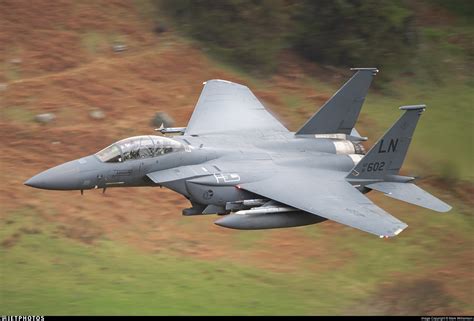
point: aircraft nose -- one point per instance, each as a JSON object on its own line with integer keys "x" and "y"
{"x": 62, "y": 177}
{"x": 34, "y": 181}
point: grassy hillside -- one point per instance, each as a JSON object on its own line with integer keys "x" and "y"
{"x": 340, "y": 271}
{"x": 130, "y": 251}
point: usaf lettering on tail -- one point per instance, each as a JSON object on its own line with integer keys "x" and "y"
{"x": 391, "y": 146}
{"x": 235, "y": 159}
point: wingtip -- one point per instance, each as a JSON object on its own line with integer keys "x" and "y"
{"x": 373, "y": 69}
{"x": 413, "y": 107}
{"x": 395, "y": 233}
{"x": 398, "y": 231}
{"x": 445, "y": 208}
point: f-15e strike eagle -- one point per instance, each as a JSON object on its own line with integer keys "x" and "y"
{"x": 236, "y": 160}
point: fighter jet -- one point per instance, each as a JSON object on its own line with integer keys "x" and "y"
{"x": 236, "y": 160}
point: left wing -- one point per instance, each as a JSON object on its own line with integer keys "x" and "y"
{"x": 225, "y": 107}
{"x": 328, "y": 195}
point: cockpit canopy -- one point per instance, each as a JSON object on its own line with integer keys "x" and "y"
{"x": 138, "y": 147}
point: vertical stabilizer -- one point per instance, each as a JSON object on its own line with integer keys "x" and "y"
{"x": 339, "y": 114}
{"x": 387, "y": 155}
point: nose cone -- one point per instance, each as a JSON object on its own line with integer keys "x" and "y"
{"x": 35, "y": 181}
{"x": 63, "y": 177}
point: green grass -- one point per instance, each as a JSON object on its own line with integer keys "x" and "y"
{"x": 11, "y": 72}
{"x": 68, "y": 114}
{"x": 17, "y": 114}
{"x": 443, "y": 140}
{"x": 439, "y": 76}
{"x": 95, "y": 42}
{"x": 248, "y": 79}
{"x": 431, "y": 242}
{"x": 44, "y": 272}
{"x": 249, "y": 239}
{"x": 293, "y": 102}
{"x": 147, "y": 10}
{"x": 57, "y": 276}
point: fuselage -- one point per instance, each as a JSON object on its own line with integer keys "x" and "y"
{"x": 208, "y": 171}
{"x": 244, "y": 155}
{"x": 235, "y": 159}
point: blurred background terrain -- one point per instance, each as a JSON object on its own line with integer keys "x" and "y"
{"x": 100, "y": 70}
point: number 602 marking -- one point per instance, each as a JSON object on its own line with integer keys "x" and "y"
{"x": 375, "y": 166}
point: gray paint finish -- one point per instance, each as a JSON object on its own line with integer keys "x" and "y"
{"x": 339, "y": 114}
{"x": 235, "y": 159}
{"x": 412, "y": 194}
{"x": 225, "y": 106}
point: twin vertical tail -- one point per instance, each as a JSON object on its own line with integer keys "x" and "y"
{"x": 387, "y": 155}
{"x": 379, "y": 168}
{"x": 340, "y": 113}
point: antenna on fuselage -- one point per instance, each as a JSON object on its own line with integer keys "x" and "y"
{"x": 170, "y": 130}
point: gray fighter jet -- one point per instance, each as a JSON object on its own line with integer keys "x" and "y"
{"x": 236, "y": 160}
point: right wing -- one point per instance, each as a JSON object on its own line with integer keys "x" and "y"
{"x": 329, "y": 196}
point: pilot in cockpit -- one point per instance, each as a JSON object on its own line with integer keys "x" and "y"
{"x": 138, "y": 147}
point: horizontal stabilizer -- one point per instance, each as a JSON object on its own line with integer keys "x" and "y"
{"x": 412, "y": 194}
